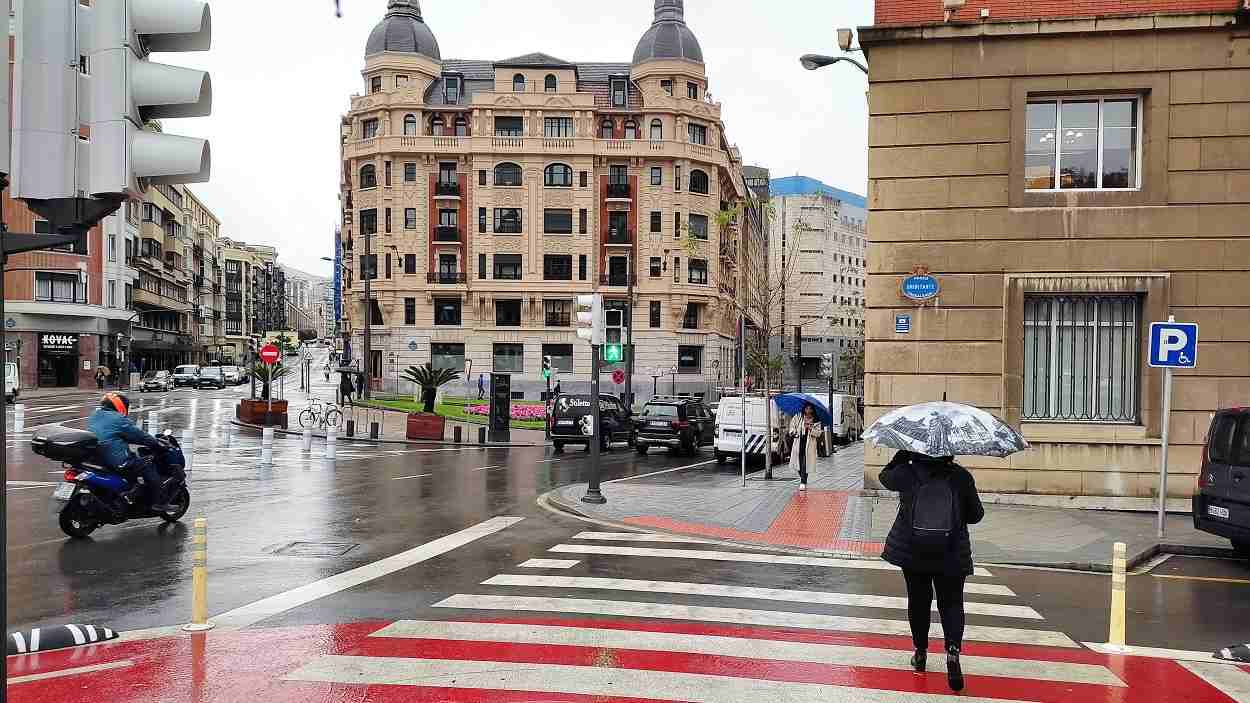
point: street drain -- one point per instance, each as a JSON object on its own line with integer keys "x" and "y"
{"x": 323, "y": 550}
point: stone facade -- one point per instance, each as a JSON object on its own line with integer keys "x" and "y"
{"x": 960, "y": 183}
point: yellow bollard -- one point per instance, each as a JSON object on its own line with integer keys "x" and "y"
{"x": 199, "y": 579}
{"x": 1118, "y": 560}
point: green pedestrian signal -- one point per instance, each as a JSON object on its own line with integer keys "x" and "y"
{"x": 613, "y": 353}
{"x": 546, "y": 367}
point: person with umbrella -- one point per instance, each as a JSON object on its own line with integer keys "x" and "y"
{"x": 806, "y": 429}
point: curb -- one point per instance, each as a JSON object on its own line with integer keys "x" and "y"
{"x": 365, "y": 440}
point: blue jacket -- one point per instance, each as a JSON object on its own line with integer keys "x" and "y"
{"x": 116, "y": 433}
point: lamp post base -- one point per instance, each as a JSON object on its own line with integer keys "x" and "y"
{"x": 595, "y": 496}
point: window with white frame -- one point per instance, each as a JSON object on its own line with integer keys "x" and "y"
{"x": 1081, "y": 358}
{"x": 1083, "y": 143}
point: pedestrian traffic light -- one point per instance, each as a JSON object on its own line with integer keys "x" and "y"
{"x": 614, "y": 333}
{"x": 826, "y": 365}
{"x": 546, "y": 367}
{"x": 613, "y": 353}
{"x": 590, "y": 318}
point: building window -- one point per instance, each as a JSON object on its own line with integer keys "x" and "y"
{"x": 509, "y": 126}
{"x": 581, "y": 179}
{"x": 631, "y": 129}
{"x": 561, "y": 357}
{"x": 509, "y": 358}
{"x": 689, "y": 359}
{"x": 462, "y": 126}
{"x": 690, "y": 320}
{"x": 657, "y": 176}
{"x": 507, "y": 313}
{"x": 410, "y": 126}
{"x": 656, "y": 222}
{"x": 368, "y": 176}
{"x": 447, "y": 356}
{"x": 481, "y": 267}
{"x": 388, "y": 220}
{"x": 507, "y": 267}
{"x": 558, "y": 176}
{"x": 375, "y": 84}
{"x": 451, "y": 89}
{"x": 507, "y": 174}
{"x": 449, "y": 217}
{"x": 677, "y": 178}
{"x": 656, "y": 264}
{"x": 481, "y": 220}
{"x": 59, "y": 287}
{"x": 581, "y": 221}
{"x": 666, "y": 85}
{"x": 607, "y": 129}
{"x": 447, "y": 174}
{"x": 410, "y": 311}
{"x": 1091, "y": 143}
{"x": 657, "y": 130}
{"x": 447, "y": 312}
{"x": 620, "y": 92}
{"x": 550, "y": 84}
{"x": 112, "y": 247}
{"x": 698, "y": 271}
{"x": 698, "y": 181}
{"x": 698, "y": 226}
{"x": 410, "y": 218}
{"x": 507, "y": 220}
{"x": 518, "y": 83}
{"x": 410, "y": 263}
{"x": 481, "y": 176}
{"x": 1081, "y": 357}
{"x": 698, "y": 134}
{"x": 558, "y": 267}
{"x": 655, "y": 314}
{"x": 558, "y": 313}
{"x": 410, "y": 172}
{"x": 437, "y": 126}
{"x": 386, "y": 169}
{"x": 692, "y": 91}
{"x": 557, "y": 127}
{"x": 557, "y": 221}
{"x": 370, "y": 129}
{"x": 581, "y": 267}
{"x": 368, "y": 222}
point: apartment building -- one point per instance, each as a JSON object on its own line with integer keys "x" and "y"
{"x": 203, "y": 231}
{"x": 1069, "y": 177}
{"x": 817, "y": 250}
{"x": 305, "y": 295}
{"x": 255, "y": 300}
{"x": 480, "y": 196}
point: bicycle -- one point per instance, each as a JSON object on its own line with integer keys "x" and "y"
{"x": 320, "y": 415}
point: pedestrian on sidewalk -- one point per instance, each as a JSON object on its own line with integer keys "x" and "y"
{"x": 346, "y": 388}
{"x": 99, "y": 377}
{"x": 929, "y": 542}
{"x": 805, "y": 428}
{"x": 481, "y": 386}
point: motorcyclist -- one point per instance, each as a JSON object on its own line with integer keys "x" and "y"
{"x": 116, "y": 432}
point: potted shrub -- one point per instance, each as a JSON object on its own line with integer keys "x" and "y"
{"x": 427, "y": 425}
{"x": 257, "y": 411}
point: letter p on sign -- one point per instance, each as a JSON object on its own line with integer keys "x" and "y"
{"x": 1174, "y": 345}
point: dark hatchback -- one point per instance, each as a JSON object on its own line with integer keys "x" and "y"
{"x": 1222, "y": 504}
{"x": 211, "y": 377}
{"x": 570, "y": 421}
{"x": 681, "y": 424}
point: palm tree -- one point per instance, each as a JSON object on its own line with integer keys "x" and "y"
{"x": 430, "y": 379}
{"x": 267, "y": 374}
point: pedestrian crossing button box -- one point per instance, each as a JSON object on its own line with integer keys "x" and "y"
{"x": 65, "y": 445}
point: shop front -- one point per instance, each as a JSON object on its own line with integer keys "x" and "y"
{"x": 58, "y": 360}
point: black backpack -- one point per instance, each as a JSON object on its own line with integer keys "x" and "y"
{"x": 934, "y": 512}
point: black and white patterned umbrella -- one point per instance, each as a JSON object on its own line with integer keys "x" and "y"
{"x": 945, "y": 429}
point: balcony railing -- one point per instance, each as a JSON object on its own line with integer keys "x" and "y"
{"x": 619, "y": 190}
{"x": 446, "y": 234}
{"x": 620, "y": 236}
{"x": 447, "y": 189}
{"x": 617, "y": 279}
{"x": 445, "y": 278}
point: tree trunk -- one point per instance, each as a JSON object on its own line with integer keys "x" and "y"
{"x": 427, "y": 399}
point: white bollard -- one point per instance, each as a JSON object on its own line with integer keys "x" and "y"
{"x": 153, "y": 423}
{"x": 19, "y": 418}
{"x": 266, "y": 447}
{"x": 191, "y": 412}
{"x": 332, "y": 437}
{"x": 163, "y": 401}
{"x": 188, "y": 447}
{"x": 307, "y": 440}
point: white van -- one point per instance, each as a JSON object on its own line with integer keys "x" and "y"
{"x": 729, "y": 429}
{"x": 848, "y": 424}
{"x": 12, "y": 386}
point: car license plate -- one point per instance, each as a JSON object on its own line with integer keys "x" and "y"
{"x": 1217, "y": 511}
{"x": 564, "y": 423}
{"x": 64, "y": 491}
{"x": 654, "y": 423}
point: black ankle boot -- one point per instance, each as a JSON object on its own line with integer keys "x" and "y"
{"x": 954, "y": 673}
{"x": 918, "y": 660}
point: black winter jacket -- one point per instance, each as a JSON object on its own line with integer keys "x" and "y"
{"x": 903, "y": 474}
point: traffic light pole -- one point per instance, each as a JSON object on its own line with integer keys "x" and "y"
{"x": 550, "y": 407}
{"x": 593, "y": 493}
{"x": 629, "y": 335}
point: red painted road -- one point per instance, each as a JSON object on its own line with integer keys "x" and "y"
{"x": 252, "y": 665}
{"x": 812, "y": 520}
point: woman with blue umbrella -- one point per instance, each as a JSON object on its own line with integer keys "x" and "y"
{"x": 806, "y": 429}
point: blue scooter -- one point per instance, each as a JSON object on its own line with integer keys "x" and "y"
{"x": 93, "y": 495}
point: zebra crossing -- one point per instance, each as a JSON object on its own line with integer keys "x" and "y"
{"x": 586, "y": 624}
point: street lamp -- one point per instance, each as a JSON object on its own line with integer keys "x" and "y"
{"x": 813, "y": 62}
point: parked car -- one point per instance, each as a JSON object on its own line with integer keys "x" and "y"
{"x": 1222, "y": 503}
{"x": 12, "y": 384}
{"x": 729, "y": 429}
{"x": 187, "y": 375}
{"x": 232, "y": 374}
{"x": 211, "y": 377}
{"x": 159, "y": 381}
{"x": 681, "y": 424}
{"x": 570, "y": 421}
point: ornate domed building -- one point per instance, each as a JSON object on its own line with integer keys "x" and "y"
{"x": 481, "y": 196}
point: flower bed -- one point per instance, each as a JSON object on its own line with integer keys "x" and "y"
{"x": 519, "y": 412}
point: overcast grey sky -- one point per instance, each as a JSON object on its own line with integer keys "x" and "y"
{"x": 283, "y": 70}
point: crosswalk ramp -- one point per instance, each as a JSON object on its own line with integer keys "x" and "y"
{"x": 614, "y": 616}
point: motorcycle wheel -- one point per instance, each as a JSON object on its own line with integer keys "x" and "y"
{"x": 74, "y": 524}
{"x": 182, "y": 499}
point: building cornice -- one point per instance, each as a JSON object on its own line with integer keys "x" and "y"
{"x": 890, "y": 34}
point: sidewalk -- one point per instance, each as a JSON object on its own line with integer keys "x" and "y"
{"x": 835, "y": 517}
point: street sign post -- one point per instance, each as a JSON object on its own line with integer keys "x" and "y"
{"x": 1173, "y": 345}
{"x": 270, "y": 354}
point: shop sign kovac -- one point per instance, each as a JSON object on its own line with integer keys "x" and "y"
{"x": 55, "y": 344}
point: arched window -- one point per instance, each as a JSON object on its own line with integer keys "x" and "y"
{"x": 631, "y": 129}
{"x": 436, "y": 126}
{"x": 410, "y": 126}
{"x": 698, "y": 182}
{"x": 607, "y": 129}
{"x": 518, "y": 83}
{"x": 368, "y": 176}
{"x": 558, "y": 176}
{"x": 550, "y": 84}
{"x": 507, "y": 174}
{"x": 657, "y": 130}
{"x": 462, "y": 126}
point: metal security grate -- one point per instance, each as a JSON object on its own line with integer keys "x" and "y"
{"x": 321, "y": 550}
{"x": 1081, "y": 358}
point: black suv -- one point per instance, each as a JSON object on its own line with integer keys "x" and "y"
{"x": 570, "y": 421}
{"x": 681, "y": 424}
{"x": 1222, "y": 504}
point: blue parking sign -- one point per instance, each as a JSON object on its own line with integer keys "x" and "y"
{"x": 1174, "y": 345}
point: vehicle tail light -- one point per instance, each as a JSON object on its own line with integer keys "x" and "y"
{"x": 679, "y": 424}
{"x": 71, "y": 475}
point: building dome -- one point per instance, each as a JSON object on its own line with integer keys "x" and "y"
{"x": 669, "y": 37}
{"x": 403, "y": 30}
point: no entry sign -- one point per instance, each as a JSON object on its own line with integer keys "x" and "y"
{"x": 618, "y": 377}
{"x": 270, "y": 354}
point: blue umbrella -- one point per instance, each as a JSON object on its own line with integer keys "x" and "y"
{"x": 792, "y": 404}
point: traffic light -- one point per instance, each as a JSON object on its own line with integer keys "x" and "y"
{"x": 826, "y": 365}
{"x": 546, "y": 367}
{"x": 590, "y": 318}
{"x": 613, "y": 335}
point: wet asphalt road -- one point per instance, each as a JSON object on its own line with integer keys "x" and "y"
{"x": 304, "y": 519}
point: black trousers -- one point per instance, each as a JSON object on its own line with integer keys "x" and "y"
{"x": 803, "y": 457}
{"x": 950, "y": 599}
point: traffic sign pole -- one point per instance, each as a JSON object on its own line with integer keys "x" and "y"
{"x": 1163, "y": 460}
{"x": 1173, "y": 345}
